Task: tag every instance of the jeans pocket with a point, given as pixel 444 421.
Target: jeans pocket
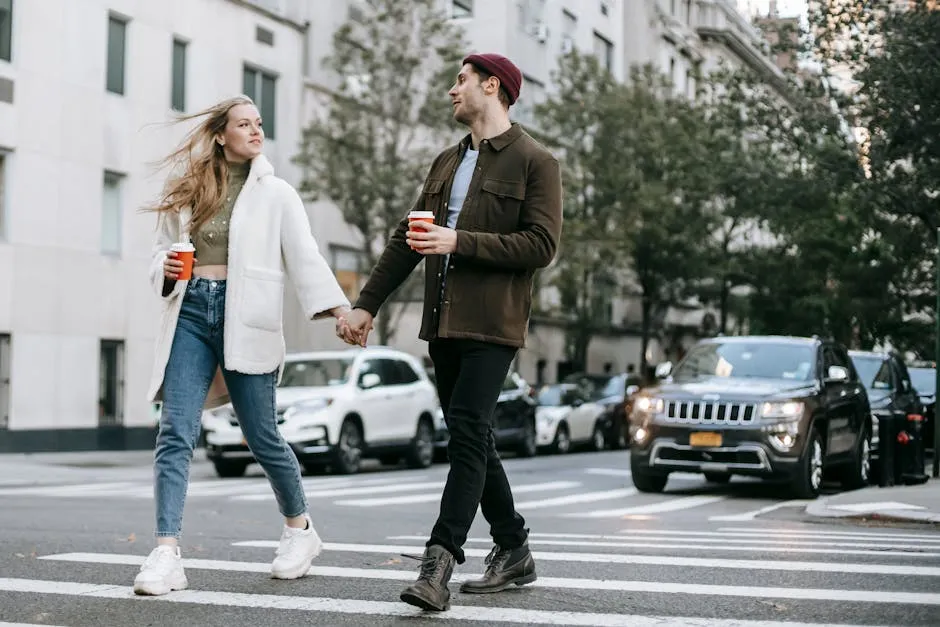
pixel 261 303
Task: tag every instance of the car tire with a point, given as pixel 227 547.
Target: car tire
pixel 528 446
pixel 348 455
pixel 858 473
pixel 421 450
pixel 718 477
pixel 598 437
pixel 807 480
pixel 228 468
pixel 562 442
pixel 646 480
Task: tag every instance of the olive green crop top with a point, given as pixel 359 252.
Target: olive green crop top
pixel 211 240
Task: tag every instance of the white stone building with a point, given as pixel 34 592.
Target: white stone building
pixel 85 86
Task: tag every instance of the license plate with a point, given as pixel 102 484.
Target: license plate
pixel 705 438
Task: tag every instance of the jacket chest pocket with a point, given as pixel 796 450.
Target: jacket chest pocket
pixel 500 202
pixel 432 195
pixel 262 298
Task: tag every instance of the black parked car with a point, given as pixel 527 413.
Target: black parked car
pixel 781 408
pixel 513 420
pixel 924 379
pixel 889 387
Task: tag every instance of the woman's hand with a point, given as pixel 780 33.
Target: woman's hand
pixel 173 266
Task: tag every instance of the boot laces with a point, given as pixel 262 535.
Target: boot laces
pixel 497 558
pixel 430 566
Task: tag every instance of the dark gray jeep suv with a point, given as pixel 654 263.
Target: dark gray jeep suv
pixel 782 408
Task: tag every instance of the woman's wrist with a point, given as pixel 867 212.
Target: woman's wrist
pixel 341 311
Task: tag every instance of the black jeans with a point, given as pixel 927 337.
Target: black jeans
pixel 470 375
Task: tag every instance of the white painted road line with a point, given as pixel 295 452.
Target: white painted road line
pixel 654 560
pixel 673 505
pixel 376 608
pixel 620 472
pixel 665 543
pixel 587 497
pixel 436 496
pixel 77 490
pixel 563 583
pixel 386 488
pixel 907 537
pixel 23 625
pixel 757 512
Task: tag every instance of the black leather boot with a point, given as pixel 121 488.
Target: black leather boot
pixel 504 568
pixel 430 591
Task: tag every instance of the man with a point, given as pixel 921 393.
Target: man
pixel 496 197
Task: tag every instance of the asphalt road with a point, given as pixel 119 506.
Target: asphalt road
pixel 73 537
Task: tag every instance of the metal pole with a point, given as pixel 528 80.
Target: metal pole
pixel 936 407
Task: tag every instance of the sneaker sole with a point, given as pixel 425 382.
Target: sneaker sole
pixel 413 599
pixel 300 571
pixel 154 590
pixel 518 581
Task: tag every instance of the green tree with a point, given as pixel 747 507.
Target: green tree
pixel 387 116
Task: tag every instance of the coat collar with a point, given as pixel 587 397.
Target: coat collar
pixel 499 142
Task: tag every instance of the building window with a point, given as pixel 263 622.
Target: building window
pixel 604 9
pixel 534 95
pixel 111 383
pixel 5 381
pixel 111 214
pixel 569 31
pixel 461 8
pixel 117 35
pixel 604 51
pixel 260 87
pixel 6 29
pixel 4 161
pixel 348 266
pixel 178 97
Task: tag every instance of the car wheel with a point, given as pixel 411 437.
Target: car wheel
pixel 562 442
pixel 421 452
pixel 807 480
pixel 599 438
pixel 858 474
pixel 348 456
pixel 718 477
pixel 528 447
pixel 645 480
pixel 228 468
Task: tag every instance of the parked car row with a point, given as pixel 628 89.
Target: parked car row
pixel 786 409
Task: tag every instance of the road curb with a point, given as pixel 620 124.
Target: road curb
pixel 820 508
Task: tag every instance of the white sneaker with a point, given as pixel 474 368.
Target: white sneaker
pixel 296 552
pixel 162 572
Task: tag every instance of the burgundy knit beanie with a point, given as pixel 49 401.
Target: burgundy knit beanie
pixel 510 77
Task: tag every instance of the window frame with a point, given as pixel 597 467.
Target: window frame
pixel 120 86
pixel 178 74
pixel 257 92
pixel 6 379
pixel 6 33
pixel 119 383
pixel 456 6
pixel 118 180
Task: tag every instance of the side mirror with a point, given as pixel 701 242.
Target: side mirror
pixel 837 374
pixel 370 380
pixel 663 370
pixel 577 402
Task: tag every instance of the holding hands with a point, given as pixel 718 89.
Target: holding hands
pixel 353 326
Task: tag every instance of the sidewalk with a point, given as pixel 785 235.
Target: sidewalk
pixel 917 503
pixel 21 469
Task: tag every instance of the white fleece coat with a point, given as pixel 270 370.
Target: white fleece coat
pixel 269 234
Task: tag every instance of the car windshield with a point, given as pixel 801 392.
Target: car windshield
pixel 765 360
pixel 873 372
pixel 316 372
pixel 924 380
pixel 553 396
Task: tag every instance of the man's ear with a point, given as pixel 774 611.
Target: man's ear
pixel 492 85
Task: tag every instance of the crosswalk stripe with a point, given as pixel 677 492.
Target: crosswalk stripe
pixel 913 537
pixel 66 491
pixel 436 496
pixel 620 472
pixel 659 543
pixel 673 505
pixel 24 625
pixel 656 560
pixel 887 540
pixel 376 608
pixel 572 499
pixel 384 488
pixel 565 583
pixel 745 516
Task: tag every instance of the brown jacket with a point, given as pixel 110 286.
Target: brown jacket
pixel 508 227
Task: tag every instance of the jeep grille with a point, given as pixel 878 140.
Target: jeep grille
pixel 710 413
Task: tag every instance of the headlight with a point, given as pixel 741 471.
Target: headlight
pixel 649 405
pixel 307 407
pixel 783 436
pixel 785 409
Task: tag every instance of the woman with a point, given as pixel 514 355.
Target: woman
pixel 221 335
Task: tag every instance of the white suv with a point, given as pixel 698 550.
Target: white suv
pixel 337 407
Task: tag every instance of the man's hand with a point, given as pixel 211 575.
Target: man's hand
pixel 431 239
pixel 354 327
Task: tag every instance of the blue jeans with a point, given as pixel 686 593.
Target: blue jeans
pixel 194 358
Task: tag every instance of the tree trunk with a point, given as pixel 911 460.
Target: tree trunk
pixel 645 324
pixel 723 304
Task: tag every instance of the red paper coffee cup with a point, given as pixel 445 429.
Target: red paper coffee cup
pixel 420 216
pixel 184 252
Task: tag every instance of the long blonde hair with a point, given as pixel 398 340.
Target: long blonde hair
pixel 203 181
